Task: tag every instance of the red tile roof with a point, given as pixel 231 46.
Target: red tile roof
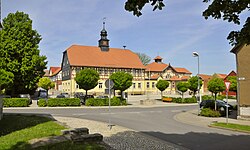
pixel 222 76
pixel 205 77
pixel 157 67
pixel 155 76
pixel 157 57
pixel 175 78
pixel 53 69
pixel 182 70
pixel 93 56
pixel 185 78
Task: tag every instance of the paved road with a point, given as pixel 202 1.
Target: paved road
pixel 158 122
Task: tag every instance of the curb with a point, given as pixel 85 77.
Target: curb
pixel 237 130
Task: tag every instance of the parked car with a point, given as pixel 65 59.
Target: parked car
pixel 78 94
pixel 25 96
pixel 5 96
pixel 85 97
pixel 60 96
pixel 66 95
pixel 102 96
pixel 42 94
pixel 220 105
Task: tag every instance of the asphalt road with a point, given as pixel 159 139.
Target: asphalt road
pixel 157 122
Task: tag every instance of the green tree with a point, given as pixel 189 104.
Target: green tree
pixel 145 59
pixel 6 79
pixel 46 83
pixel 233 83
pixel 19 53
pixel 183 87
pixel 193 84
pixel 87 79
pixel 228 10
pixel 122 81
pixel 216 85
pixel 162 85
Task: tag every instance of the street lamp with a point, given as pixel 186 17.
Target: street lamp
pixel 195 54
pixel 1 27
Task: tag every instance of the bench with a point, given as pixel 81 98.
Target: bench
pixel 167 99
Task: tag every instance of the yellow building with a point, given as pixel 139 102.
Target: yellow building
pixel 103 59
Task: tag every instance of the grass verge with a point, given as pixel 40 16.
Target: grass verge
pixel 231 126
pixel 17 130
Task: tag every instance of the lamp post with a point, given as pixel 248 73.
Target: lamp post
pixel 195 54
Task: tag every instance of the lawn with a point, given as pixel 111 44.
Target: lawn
pixel 236 127
pixel 17 130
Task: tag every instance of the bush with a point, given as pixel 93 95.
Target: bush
pixel 42 103
pixel 207 112
pixel 185 100
pixel 207 97
pixel 53 102
pixel 15 102
pixel 115 101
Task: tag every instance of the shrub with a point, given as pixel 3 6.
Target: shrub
pixel 15 102
pixel 207 112
pixel 207 97
pixel 115 101
pixel 42 103
pixel 53 102
pixel 185 100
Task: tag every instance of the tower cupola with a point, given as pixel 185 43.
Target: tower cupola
pixel 104 41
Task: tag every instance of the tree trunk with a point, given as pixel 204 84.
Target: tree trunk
pixel 114 92
pixel 215 100
pixel 182 96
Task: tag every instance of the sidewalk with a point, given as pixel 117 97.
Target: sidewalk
pixel 119 138
pixel 191 117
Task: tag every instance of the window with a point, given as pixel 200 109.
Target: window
pixel 148 84
pixel 153 85
pixel 139 85
pixel 134 85
pixel 105 71
pixel 77 86
pixel 173 84
pixel 100 85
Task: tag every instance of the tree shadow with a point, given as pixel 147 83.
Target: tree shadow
pixel 190 140
pixel 12 122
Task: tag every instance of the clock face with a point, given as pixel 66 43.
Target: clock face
pixel 105 42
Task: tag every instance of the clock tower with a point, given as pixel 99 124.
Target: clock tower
pixel 104 42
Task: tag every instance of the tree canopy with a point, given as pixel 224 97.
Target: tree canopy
pixel 233 83
pixel 193 84
pixel 183 87
pixel 87 79
pixel 6 79
pixel 122 81
pixel 228 10
pixel 162 85
pixel 145 59
pixel 46 83
pixel 19 53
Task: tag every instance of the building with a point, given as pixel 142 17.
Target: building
pixel 55 75
pixel 158 70
pixel 103 59
pixel 243 75
pixel 205 78
pixel 231 74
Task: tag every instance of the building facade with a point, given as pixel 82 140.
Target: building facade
pixel 243 75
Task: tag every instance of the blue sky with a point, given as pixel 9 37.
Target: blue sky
pixel 173 33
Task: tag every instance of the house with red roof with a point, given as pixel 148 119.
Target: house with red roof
pixel 55 75
pixel 159 70
pixel 103 59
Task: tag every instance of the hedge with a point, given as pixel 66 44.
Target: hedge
pixel 185 100
pixel 15 102
pixel 42 103
pixel 115 101
pixel 207 112
pixel 218 97
pixel 53 102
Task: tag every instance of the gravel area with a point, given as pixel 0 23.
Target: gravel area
pixel 118 137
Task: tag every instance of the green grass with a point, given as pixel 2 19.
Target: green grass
pixel 17 130
pixel 232 126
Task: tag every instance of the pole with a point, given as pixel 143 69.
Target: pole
pixel 110 126
pixel 199 85
pixel 227 108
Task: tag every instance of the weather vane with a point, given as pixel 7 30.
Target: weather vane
pixel 104 19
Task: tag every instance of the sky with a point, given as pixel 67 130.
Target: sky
pixel 173 33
